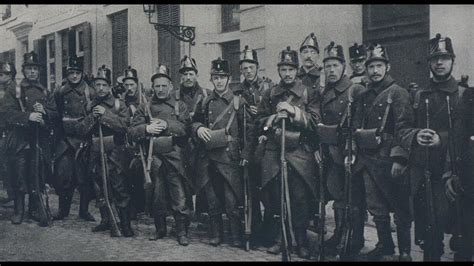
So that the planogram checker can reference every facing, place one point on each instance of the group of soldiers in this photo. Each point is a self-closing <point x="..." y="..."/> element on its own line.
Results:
<point x="362" y="141"/>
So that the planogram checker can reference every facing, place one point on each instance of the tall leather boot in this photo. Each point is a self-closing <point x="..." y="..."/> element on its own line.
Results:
<point x="333" y="241"/>
<point x="19" y="208"/>
<point x="235" y="232"/>
<point x="84" y="207"/>
<point x="385" y="245"/>
<point x="181" y="232"/>
<point x="104" y="221"/>
<point x="302" y="243"/>
<point x="64" y="207"/>
<point x="33" y="207"/>
<point x="276" y="247"/>
<point x="125" y="222"/>
<point x="404" y="243"/>
<point x="160" y="226"/>
<point x="358" y="240"/>
<point x="215" y="232"/>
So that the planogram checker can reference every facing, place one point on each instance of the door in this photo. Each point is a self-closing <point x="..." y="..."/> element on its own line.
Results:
<point x="168" y="45"/>
<point x="404" y="31"/>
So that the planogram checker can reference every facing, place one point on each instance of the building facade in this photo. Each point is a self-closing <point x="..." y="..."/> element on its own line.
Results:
<point x="120" y="35"/>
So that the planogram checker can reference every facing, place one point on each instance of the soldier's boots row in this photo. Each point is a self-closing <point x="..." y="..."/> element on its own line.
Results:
<point x="181" y="231"/>
<point x="385" y="245"/>
<point x="404" y="242"/>
<point x="124" y="215"/>
<point x="331" y="244"/>
<point x="215" y="230"/>
<point x="19" y="208"/>
<point x="65" y="207"/>
<point x="104" y="224"/>
<point x="160" y="226"/>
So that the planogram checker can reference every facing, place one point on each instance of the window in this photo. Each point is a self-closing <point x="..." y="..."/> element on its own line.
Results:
<point x="7" y="12"/>
<point x="169" y="46"/>
<point x="230" y="17"/>
<point x="51" y="49"/>
<point x="119" y="43"/>
<point x="24" y="47"/>
<point x="231" y="53"/>
<point x="80" y="42"/>
<point x="51" y="63"/>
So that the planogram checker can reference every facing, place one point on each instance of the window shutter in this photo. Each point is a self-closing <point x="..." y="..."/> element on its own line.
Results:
<point x="119" y="43"/>
<point x="87" y="42"/>
<point x="39" y="46"/>
<point x="169" y="52"/>
<point x="71" y="36"/>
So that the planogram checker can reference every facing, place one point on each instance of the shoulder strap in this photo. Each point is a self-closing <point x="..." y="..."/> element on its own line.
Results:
<point x="305" y="96"/>
<point x="221" y="115"/>
<point x="236" y="102"/>
<point x="387" y="110"/>
<point x="176" y="103"/>
<point x="416" y="100"/>
<point x="18" y="97"/>
<point x="133" y="109"/>
<point x="87" y="92"/>
<point x="461" y="90"/>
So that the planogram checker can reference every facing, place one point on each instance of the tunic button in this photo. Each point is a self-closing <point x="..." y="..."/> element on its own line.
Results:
<point x="82" y="101"/>
<point x="380" y="104"/>
<point x="210" y="112"/>
<point x="227" y="149"/>
<point x="379" y="118"/>
<point x="365" y="104"/>
<point x="65" y="102"/>
<point x="230" y="112"/>
<point x="341" y="101"/>
<point x="339" y="113"/>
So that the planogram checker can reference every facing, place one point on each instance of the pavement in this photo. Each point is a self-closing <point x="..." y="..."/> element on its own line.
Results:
<point x="72" y="240"/>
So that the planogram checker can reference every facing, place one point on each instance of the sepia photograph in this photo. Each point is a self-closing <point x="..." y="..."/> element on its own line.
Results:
<point x="236" y="132"/>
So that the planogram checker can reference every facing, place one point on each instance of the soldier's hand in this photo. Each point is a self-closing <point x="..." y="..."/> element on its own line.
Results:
<point x="204" y="134"/>
<point x="284" y="106"/>
<point x="253" y="109"/>
<point x="98" y="111"/>
<point x="243" y="162"/>
<point x="453" y="188"/>
<point x="39" y="108"/>
<point x="262" y="139"/>
<point x="36" y="117"/>
<point x="347" y="162"/>
<point x="318" y="156"/>
<point x="398" y="169"/>
<point x="154" y="128"/>
<point x="425" y="137"/>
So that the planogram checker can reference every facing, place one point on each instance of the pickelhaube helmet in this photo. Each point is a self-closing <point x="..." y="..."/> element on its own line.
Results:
<point x="128" y="73"/>
<point x="441" y="46"/>
<point x="161" y="71"/>
<point x="289" y="57"/>
<point x="310" y="41"/>
<point x="74" y="63"/>
<point x="104" y="73"/>
<point x="220" y="67"/>
<point x="249" y="56"/>
<point x="357" y="51"/>
<point x="376" y="52"/>
<point x="30" y="58"/>
<point x="187" y="63"/>
<point x="333" y="51"/>
<point x="5" y="67"/>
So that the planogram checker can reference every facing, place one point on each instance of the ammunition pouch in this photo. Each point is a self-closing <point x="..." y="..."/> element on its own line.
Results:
<point x="219" y="139"/>
<point x="292" y="139"/>
<point x="328" y="134"/>
<point x="163" y="144"/>
<point x="368" y="139"/>
<point x="108" y="144"/>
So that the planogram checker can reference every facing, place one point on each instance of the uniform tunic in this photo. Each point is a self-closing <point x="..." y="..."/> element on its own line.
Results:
<point x="310" y="79"/>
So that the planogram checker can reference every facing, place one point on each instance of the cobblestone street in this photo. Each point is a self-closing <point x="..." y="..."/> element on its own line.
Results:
<point x="72" y="240"/>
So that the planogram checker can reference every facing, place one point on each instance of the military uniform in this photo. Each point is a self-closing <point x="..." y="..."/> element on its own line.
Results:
<point x="114" y="123"/>
<point x="464" y="130"/>
<point x="71" y="150"/>
<point x="21" y="140"/>
<point x="167" y="168"/>
<point x="311" y="77"/>
<point x="334" y="103"/>
<point x="299" y="152"/>
<point x="384" y="109"/>
<point x="436" y="94"/>
<point x="218" y="165"/>
<point x="357" y="52"/>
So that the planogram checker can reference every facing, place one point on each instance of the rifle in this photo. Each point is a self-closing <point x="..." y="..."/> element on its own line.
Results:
<point x="103" y="160"/>
<point x="457" y="239"/>
<point x="45" y="218"/>
<point x="285" y="195"/>
<point x="428" y="254"/>
<point x="344" y="246"/>
<point x="247" y="197"/>
<point x="322" y="206"/>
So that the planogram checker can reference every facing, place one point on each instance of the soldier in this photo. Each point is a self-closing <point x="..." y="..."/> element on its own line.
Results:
<point x="252" y="89"/>
<point x="169" y="119"/>
<point x="135" y="172"/>
<point x="461" y="188"/>
<point x="192" y="94"/>
<point x="72" y="150"/>
<point x="301" y="104"/>
<point x="381" y="113"/>
<point x="429" y="147"/>
<point x="7" y="76"/>
<point x="218" y="126"/>
<point x="334" y="103"/>
<point x="112" y="115"/>
<point x="310" y="71"/>
<point x="358" y="55"/>
<point x="27" y="108"/>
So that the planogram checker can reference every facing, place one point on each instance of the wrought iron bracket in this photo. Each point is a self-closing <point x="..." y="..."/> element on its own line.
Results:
<point x="183" y="33"/>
